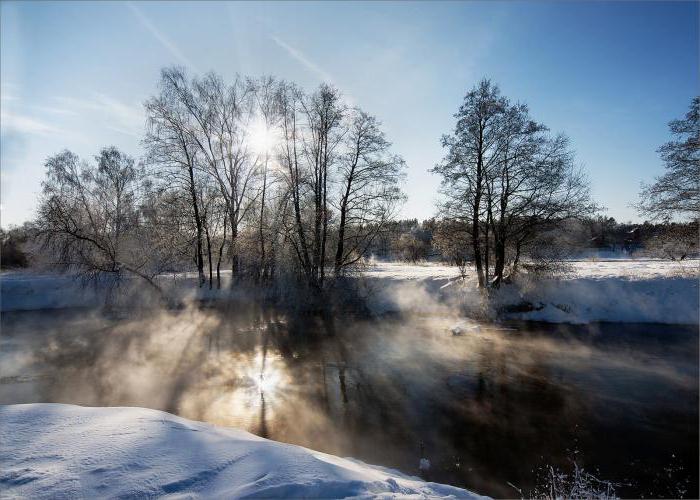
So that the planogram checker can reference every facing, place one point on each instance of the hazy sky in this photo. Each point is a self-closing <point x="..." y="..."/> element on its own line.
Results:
<point x="610" y="75"/>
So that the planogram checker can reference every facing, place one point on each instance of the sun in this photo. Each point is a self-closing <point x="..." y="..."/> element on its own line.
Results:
<point x="261" y="137"/>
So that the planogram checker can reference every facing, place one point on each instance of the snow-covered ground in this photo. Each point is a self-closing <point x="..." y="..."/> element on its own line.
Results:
<point x="624" y="290"/>
<point x="65" y="451"/>
<point x="635" y="269"/>
<point x="633" y="291"/>
<point x="619" y="290"/>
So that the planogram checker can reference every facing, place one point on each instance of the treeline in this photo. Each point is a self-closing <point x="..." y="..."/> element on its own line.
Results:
<point x="270" y="182"/>
<point x="254" y="175"/>
<point x="448" y="242"/>
<point x="434" y="240"/>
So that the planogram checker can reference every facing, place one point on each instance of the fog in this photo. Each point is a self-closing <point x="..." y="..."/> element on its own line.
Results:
<point x="487" y="406"/>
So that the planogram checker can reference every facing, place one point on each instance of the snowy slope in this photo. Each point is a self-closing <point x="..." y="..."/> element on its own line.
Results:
<point x="623" y="290"/>
<point x="65" y="451"/>
<point x="632" y="290"/>
<point x="672" y="300"/>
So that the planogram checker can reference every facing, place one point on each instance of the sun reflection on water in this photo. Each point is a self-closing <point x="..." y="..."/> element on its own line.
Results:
<point x="265" y="375"/>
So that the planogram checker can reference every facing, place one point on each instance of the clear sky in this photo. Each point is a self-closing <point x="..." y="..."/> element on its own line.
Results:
<point x="610" y="75"/>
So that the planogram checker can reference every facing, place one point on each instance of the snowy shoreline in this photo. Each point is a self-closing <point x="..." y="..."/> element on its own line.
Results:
<point x="63" y="451"/>
<point x="612" y="290"/>
<point x="615" y="290"/>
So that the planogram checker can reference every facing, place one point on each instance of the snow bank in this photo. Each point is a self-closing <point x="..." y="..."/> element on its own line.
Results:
<point x="65" y="451"/>
<point x="30" y="291"/>
<point x="583" y="300"/>
<point x="631" y="290"/>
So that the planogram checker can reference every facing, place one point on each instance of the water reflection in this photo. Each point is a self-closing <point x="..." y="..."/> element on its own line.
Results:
<point x="487" y="406"/>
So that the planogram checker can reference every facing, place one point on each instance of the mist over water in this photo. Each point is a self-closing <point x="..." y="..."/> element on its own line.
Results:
<point x="489" y="406"/>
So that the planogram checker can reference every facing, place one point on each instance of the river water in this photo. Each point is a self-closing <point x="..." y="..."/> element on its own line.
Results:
<point x="491" y="408"/>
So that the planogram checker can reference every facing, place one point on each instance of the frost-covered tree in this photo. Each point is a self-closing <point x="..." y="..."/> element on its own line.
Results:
<point x="90" y="217"/>
<point x="472" y="150"/>
<point x="368" y="178"/>
<point x="173" y="153"/>
<point x="677" y="192"/>
<point x="508" y="178"/>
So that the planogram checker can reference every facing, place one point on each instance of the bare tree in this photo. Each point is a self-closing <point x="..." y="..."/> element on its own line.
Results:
<point x="312" y="130"/>
<point x="90" y="217"/>
<point x="472" y="151"/>
<point x="412" y="247"/>
<point x="674" y="241"/>
<point x="295" y="178"/>
<point x="677" y="191"/>
<point x="369" y="188"/>
<point x="219" y="116"/>
<point x="267" y="97"/>
<point x="171" y="147"/>
<point x="451" y="239"/>
<point x="536" y="192"/>
<point x="511" y="180"/>
<point x="324" y="113"/>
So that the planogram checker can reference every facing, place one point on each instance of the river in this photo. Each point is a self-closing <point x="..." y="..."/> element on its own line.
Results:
<point x="491" y="407"/>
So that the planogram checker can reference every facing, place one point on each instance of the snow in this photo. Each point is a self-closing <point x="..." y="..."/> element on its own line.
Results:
<point x="623" y="290"/>
<point x="403" y="271"/>
<point x="635" y="269"/>
<point x="30" y="291"/>
<point x="632" y="291"/>
<point x="65" y="451"/>
<point x="616" y="290"/>
<point x="584" y="300"/>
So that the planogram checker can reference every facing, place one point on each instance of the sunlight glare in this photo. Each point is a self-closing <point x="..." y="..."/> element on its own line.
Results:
<point x="266" y="377"/>
<point x="261" y="137"/>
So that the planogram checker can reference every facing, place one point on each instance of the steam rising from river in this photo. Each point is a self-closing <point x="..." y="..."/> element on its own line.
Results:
<point x="374" y="389"/>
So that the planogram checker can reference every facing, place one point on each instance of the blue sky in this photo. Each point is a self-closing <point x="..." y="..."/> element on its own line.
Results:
<point x="610" y="75"/>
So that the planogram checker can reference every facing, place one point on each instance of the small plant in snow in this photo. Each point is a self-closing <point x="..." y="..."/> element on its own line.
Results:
<point x="552" y="483"/>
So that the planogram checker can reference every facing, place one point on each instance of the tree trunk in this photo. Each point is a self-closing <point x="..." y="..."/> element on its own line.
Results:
<point x="500" y="254"/>
<point x="500" y="238"/>
<point x="218" y="262"/>
<point x="198" y="222"/>
<point x="476" y="245"/>
<point x="211" y="270"/>
<point x="261" y="270"/>
<point x="305" y="261"/>
<point x="341" y="241"/>
<point x="516" y="260"/>
<point x="234" y="250"/>
<point x="324" y="232"/>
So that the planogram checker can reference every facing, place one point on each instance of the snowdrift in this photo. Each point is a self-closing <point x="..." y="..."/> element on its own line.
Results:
<point x="65" y="451"/>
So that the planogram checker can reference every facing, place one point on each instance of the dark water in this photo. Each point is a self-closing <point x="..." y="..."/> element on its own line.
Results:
<point x="489" y="407"/>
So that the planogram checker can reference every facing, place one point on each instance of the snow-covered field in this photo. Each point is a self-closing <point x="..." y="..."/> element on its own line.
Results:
<point x="619" y="290"/>
<point x="65" y="451"/>
<point x="633" y="269"/>
<point x="623" y="290"/>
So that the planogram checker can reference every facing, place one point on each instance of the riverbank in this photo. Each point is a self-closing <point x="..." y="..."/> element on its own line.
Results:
<point x="620" y="290"/>
<point x="142" y="452"/>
